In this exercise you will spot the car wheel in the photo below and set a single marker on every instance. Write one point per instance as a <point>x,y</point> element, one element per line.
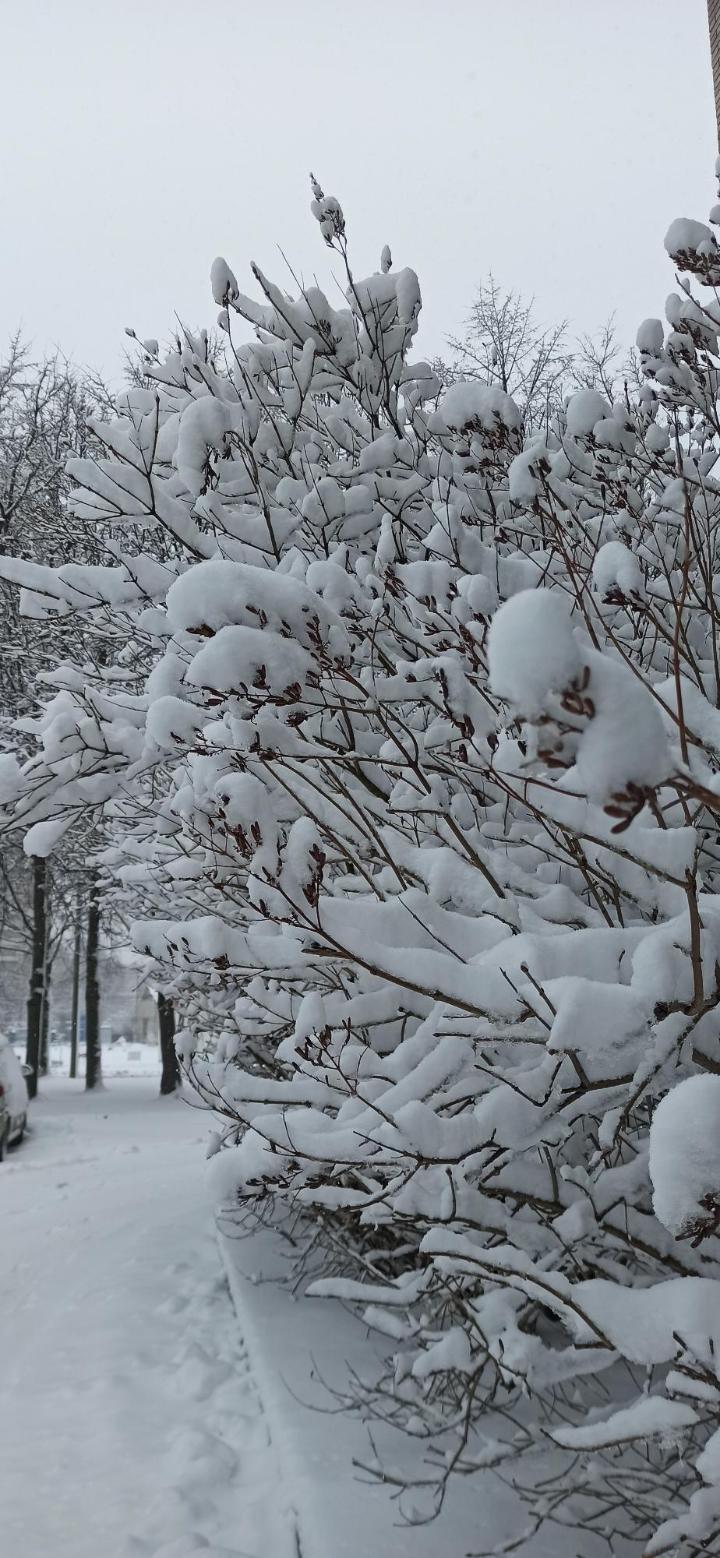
<point>17,1139</point>
<point>3,1146</point>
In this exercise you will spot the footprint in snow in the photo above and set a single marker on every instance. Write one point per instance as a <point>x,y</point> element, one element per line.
<point>198,1375</point>
<point>173,1305</point>
<point>201,1458</point>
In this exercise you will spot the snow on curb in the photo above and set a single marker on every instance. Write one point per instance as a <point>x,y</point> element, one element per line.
<point>246,1298</point>
<point>299,1348</point>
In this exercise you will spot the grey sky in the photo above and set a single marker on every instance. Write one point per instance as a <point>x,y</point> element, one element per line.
<point>551,141</point>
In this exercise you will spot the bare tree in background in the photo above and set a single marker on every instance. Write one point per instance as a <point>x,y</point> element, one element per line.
<point>45,408</point>
<point>539,367</point>
<point>503,344</point>
<point>45,412</point>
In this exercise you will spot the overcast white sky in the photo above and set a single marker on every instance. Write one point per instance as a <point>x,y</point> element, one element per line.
<point>551,141</point>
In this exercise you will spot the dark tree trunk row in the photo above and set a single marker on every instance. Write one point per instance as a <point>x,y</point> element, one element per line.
<point>38,1006</point>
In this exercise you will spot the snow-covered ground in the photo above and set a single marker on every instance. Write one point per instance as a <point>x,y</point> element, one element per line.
<point>118,1060</point>
<point>142,1414</point>
<point>129,1416</point>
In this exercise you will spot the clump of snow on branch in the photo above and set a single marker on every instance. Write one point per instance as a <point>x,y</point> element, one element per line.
<point>685,1157</point>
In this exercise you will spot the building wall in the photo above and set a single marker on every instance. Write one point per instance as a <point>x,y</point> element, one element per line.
<point>714,24</point>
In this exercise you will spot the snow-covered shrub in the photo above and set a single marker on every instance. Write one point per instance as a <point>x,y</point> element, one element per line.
<point>410,747</point>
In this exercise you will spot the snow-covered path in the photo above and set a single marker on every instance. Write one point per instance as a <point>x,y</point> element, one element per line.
<point>130,1424</point>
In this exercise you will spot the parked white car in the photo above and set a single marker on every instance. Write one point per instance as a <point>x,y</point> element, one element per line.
<point>13,1097</point>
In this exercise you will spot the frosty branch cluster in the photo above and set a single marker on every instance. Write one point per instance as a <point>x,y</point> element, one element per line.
<point>406,732</point>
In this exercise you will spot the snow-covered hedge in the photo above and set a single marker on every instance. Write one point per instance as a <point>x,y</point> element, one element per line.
<point>410,747</point>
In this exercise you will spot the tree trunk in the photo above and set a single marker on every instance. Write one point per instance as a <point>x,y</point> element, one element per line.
<point>45,1009</point>
<point>93,1059</point>
<point>38,972</point>
<point>75,1009</point>
<point>45,1024</point>
<point>171,1075</point>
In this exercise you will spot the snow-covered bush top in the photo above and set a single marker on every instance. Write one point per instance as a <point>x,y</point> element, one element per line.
<point>409,746</point>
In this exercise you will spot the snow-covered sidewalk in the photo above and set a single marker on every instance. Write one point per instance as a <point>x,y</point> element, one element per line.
<point>145,1415</point>
<point>130,1423</point>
